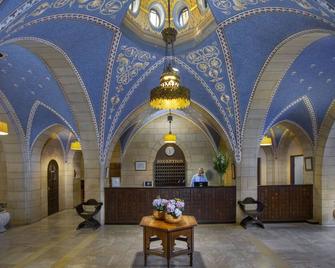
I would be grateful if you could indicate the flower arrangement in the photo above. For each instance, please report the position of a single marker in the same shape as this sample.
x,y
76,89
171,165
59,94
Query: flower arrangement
x,y
170,210
175,207
159,204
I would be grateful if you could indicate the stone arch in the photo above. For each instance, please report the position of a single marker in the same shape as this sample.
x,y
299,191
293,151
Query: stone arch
x,y
47,146
273,71
324,166
142,111
294,134
77,96
199,124
146,142
17,188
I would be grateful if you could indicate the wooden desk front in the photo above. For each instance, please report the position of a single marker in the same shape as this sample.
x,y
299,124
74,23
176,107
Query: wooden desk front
x,y
208,204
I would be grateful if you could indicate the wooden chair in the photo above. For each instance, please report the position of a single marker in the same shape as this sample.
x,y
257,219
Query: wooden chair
x,y
87,210
252,214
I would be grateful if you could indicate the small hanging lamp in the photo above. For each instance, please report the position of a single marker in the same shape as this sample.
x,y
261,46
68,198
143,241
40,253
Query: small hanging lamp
x,y
266,141
3,128
75,146
170,137
169,94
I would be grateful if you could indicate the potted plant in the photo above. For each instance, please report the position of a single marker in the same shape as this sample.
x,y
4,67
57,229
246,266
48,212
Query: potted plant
x,y
159,206
220,163
174,210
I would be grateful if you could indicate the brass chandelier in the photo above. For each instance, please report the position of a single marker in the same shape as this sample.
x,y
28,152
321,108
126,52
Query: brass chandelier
x,y
169,94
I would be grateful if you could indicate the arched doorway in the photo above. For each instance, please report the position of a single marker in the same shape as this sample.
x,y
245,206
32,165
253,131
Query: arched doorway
x,y
53,178
170,166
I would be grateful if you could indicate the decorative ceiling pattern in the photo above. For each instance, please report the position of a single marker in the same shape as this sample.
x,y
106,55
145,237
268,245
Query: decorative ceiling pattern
x,y
25,80
119,69
311,75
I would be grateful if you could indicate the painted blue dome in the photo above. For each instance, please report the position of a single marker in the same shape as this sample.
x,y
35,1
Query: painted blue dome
x,y
117,68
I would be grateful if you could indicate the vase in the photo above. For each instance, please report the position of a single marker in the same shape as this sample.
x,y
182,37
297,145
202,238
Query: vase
x,y
222,180
171,219
158,215
4,220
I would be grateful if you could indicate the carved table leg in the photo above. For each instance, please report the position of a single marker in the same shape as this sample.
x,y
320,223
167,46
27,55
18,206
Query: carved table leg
x,y
168,248
190,246
145,245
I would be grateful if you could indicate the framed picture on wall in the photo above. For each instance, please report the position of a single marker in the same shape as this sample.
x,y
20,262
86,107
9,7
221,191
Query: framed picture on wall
x,y
141,165
116,181
308,163
233,171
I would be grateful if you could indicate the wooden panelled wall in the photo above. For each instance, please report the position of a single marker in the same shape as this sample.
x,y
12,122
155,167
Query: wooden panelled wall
x,y
286,202
283,203
208,205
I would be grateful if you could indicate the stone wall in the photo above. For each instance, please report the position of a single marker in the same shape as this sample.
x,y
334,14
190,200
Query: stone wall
x,y
3,176
146,142
275,169
328,181
78,167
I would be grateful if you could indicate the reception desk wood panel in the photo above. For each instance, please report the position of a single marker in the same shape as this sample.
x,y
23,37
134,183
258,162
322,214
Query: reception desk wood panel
x,y
208,205
286,202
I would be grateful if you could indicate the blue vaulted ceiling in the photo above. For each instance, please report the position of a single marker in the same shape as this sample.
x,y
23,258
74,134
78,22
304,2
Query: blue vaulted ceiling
x,y
27,84
312,77
119,70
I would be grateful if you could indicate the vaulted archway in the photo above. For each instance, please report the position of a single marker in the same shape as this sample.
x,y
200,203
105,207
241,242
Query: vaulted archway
x,y
264,89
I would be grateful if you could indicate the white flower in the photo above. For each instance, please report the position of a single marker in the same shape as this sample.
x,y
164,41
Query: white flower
x,y
177,212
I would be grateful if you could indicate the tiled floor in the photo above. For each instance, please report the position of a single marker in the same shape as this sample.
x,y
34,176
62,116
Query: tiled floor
x,y
54,242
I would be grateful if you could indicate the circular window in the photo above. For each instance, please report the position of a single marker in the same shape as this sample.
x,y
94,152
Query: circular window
x,y
202,5
181,15
134,7
2,56
156,16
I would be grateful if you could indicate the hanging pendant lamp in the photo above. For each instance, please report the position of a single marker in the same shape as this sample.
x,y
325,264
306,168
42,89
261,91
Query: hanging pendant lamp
x,y
170,137
266,141
169,94
75,146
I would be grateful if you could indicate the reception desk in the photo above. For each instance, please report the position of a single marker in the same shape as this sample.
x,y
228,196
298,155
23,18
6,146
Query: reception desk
x,y
208,204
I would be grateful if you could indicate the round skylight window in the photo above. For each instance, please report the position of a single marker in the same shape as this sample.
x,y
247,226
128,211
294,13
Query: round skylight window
x,y
202,5
181,15
134,7
156,16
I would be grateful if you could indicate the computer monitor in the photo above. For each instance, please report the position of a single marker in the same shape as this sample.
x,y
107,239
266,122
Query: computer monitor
x,y
200,184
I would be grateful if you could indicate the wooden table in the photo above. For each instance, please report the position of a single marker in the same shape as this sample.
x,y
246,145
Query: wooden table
x,y
154,230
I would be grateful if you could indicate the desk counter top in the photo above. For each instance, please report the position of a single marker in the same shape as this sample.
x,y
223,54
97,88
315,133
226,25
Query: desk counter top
x,y
168,187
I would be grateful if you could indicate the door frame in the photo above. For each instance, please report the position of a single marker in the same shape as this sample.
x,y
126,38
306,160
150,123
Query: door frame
x,y
53,161
292,167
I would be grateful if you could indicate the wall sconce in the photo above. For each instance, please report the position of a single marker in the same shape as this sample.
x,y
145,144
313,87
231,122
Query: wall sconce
x,y
266,141
75,146
3,128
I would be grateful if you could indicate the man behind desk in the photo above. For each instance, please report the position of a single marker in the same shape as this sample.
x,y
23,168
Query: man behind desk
x,y
200,177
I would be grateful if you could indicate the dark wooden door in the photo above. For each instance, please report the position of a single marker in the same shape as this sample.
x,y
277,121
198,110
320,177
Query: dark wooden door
x,y
53,178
